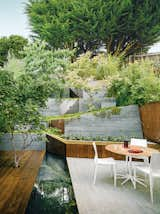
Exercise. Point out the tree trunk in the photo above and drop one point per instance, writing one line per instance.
(16, 158)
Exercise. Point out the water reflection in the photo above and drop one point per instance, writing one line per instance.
(52, 192)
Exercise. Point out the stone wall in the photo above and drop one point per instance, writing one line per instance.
(127, 123)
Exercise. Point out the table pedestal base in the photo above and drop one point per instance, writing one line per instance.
(130, 177)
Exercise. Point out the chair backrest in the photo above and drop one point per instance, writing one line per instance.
(155, 160)
(138, 142)
(95, 151)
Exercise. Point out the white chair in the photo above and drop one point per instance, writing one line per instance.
(138, 142)
(152, 170)
(103, 161)
(141, 143)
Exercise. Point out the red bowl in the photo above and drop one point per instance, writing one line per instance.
(135, 151)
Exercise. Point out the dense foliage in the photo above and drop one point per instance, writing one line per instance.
(47, 66)
(125, 26)
(137, 83)
(24, 90)
(134, 83)
(19, 103)
(14, 44)
(98, 67)
(86, 69)
(8, 101)
(25, 86)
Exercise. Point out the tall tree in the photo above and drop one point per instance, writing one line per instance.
(24, 91)
(14, 44)
(127, 26)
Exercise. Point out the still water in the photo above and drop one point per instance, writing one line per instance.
(52, 192)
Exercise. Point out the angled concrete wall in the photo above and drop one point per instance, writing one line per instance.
(127, 124)
(69, 106)
(60, 106)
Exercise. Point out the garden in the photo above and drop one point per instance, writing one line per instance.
(76, 71)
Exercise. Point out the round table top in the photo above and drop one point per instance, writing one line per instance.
(131, 150)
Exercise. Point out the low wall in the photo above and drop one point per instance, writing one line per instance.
(38, 142)
(126, 124)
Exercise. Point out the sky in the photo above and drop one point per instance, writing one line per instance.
(13, 20)
(155, 48)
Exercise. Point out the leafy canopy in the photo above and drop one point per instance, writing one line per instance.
(25, 89)
(8, 102)
(47, 66)
(125, 26)
(14, 44)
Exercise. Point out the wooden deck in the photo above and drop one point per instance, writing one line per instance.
(16, 183)
(103, 198)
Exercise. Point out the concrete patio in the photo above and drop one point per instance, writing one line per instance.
(103, 198)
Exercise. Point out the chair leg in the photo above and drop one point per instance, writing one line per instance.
(151, 187)
(145, 177)
(146, 162)
(111, 171)
(115, 176)
(135, 177)
(95, 174)
(126, 160)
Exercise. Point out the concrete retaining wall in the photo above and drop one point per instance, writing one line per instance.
(86, 103)
(69, 106)
(38, 142)
(58, 107)
(52, 107)
(127, 124)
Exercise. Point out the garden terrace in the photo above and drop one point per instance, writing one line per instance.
(17, 183)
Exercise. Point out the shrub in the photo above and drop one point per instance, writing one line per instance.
(137, 83)
(134, 83)
(87, 68)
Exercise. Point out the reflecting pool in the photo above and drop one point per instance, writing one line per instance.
(52, 192)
